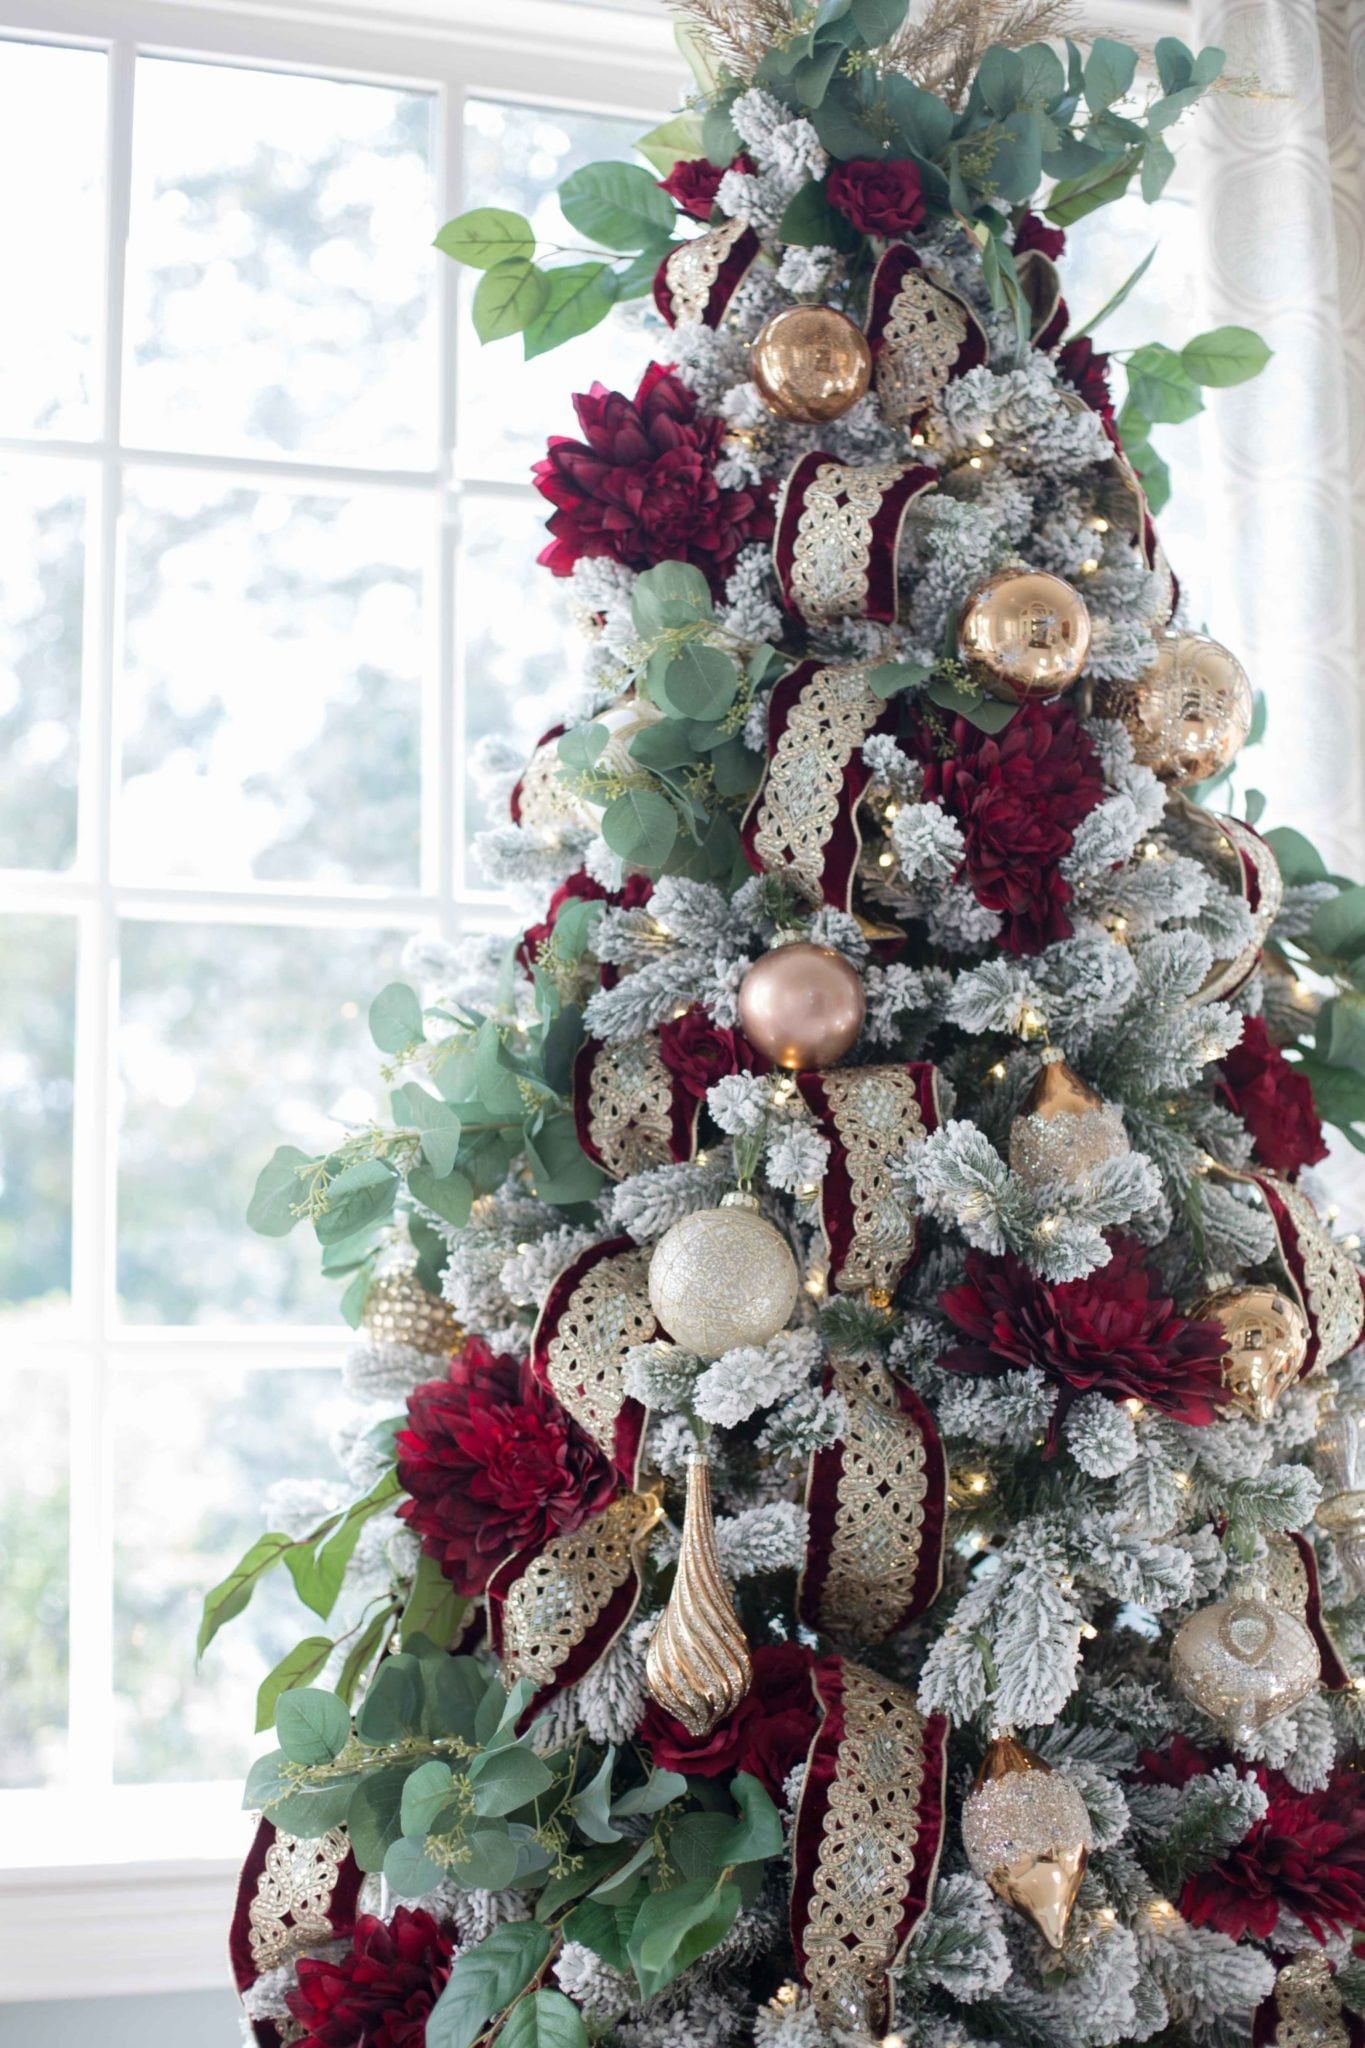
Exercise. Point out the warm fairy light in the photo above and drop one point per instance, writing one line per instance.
(1088, 1631)
(998, 1071)
(975, 462)
(783, 1090)
(702, 1158)
(1099, 524)
(893, 2041)
(1150, 850)
(1106, 1917)
(1135, 1407)
(1090, 565)
(1160, 1910)
(680, 1010)
(786, 1994)
(1331, 1212)
(884, 860)
(1352, 1243)
(1048, 1227)
(815, 1286)
(808, 1192)
(1182, 1480)
(1031, 1022)
(890, 812)
(917, 440)
(985, 440)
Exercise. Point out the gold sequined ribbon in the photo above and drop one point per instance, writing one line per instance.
(693, 271)
(554, 1617)
(803, 800)
(871, 1117)
(869, 1830)
(1322, 1274)
(920, 340)
(289, 1910)
(1309, 2011)
(826, 536)
(627, 1103)
(596, 1309)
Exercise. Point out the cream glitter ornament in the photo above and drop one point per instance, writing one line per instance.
(723, 1277)
(1027, 1834)
(1242, 1661)
(1064, 1129)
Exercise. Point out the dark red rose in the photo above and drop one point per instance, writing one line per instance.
(1110, 1333)
(699, 1052)
(880, 197)
(1306, 1856)
(1018, 795)
(640, 486)
(379, 1993)
(768, 1734)
(693, 183)
(1274, 1099)
(493, 1464)
(1086, 370)
(1033, 232)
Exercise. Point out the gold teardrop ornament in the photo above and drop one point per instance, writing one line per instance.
(698, 1667)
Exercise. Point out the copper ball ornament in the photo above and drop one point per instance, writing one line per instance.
(1027, 1834)
(811, 364)
(802, 1006)
(1189, 715)
(1024, 633)
(723, 1277)
(1266, 1335)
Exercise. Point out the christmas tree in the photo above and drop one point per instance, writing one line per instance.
(853, 1515)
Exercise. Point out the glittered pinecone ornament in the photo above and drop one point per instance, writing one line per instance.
(802, 1006)
(810, 364)
(1339, 1454)
(1243, 1660)
(723, 1277)
(1266, 1335)
(1024, 633)
(1189, 715)
(1027, 1834)
(698, 1666)
(398, 1310)
(1064, 1130)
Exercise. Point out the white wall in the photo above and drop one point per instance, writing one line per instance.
(207, 2019)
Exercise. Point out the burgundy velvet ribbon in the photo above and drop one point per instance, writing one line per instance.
(1287, 1231)
(1335, 1676)
(845, 841)
(1042, 287)
(729, 278)
(881, 603)
(514, 800)
(597, 1640)
(341, 1913)
(836, 1189)
(684, 1110)
(624, 1450)
(887, 279)
(822, 1770)
(822, 1503)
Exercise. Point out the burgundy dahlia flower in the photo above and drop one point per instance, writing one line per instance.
(377, 1995)
(1274, 1100)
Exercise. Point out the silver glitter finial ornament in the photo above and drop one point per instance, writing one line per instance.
(1242, 1661)
(1064, 1130)
(723, 1277)
(1340, 1457)
(1027, 1834)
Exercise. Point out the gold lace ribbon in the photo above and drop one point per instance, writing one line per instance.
(922, 339)
(799, 803)
(873, 1570)
(690, 273)
(832, 549)
(869, 1856)
(1330, 1292)
(875, 1116)
(1309, 2009)
(630, 1106)
(289, 1913)
(563, 1593)
(607, 1312)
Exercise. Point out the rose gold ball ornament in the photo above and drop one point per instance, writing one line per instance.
(811, 364)
(1189, 715)
(1024, 634)
(1244, 1660)
(1064, 1130)
(1027, 1834)
(802, 1006)
(1267, 1341)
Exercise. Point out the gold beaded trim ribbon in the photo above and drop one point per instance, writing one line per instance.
(1306, 2010)
(1257, 880)
(1291, 1572)
(870, 1117)
(877, 1506)
(554, 1616)
(293, 1895)
(1323, 1277)
(837, 540)
(596, 1309)
(803, 820)
(922, 334)
(868, 1834)
(629, 1110)
(699, 279)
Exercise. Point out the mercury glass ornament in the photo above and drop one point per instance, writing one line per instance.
(802, 1006)
(698, 1666)
(1340, 1456)
(1027, 1834)
(1064, 1129)
(811, 364)
(1267, 1342)
(1242, 1661)
(723, 1277)
(1189, 715)
(1024, 633)
(398, 1310)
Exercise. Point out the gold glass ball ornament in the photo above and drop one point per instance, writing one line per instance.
(1027, 1834)
(1243, 1660)
(723, 1277)
(1189, 715)
(802, 1006)
(1024, 633)
(811, 364)
(1064, 1130)
(1266, 1335)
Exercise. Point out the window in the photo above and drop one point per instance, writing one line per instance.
(267, 533)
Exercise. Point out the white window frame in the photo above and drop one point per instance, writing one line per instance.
(149, 1871)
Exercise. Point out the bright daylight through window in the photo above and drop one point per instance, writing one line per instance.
(252, 622)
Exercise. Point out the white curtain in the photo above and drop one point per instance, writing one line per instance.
(1281, 182)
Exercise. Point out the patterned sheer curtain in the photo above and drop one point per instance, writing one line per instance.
(1283, 190)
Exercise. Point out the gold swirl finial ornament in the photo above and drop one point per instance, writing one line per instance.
(698, 1667)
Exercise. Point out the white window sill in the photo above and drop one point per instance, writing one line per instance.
(140, 1890)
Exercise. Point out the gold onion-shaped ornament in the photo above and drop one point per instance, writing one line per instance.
(1027, 1834)
(1243, 1661)
(1266, 1335)
(1064, 1130)
(698, 1667)
(1024, 633)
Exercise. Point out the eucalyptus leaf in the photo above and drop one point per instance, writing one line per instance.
(484, 1981)
(670, 595)
(591, 1807)
(673, 1928)
(312, 1726)
(359, 1195)
(433, 1609)
(396, 1018)
(677, 140)
(1110, 68)
(505, 1779)
(560, 1168)
(392, 1708)
(640, 826)
(427, 1796)
(1161, 386)
(547, 2019)
(1225, 355)
(578, 296)
(374, 1817)
(1338, 926)
(1296, 857)
(295, 1668)
(409, 1872)
(699, 682)
(449, 1196)
(278, 1188)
